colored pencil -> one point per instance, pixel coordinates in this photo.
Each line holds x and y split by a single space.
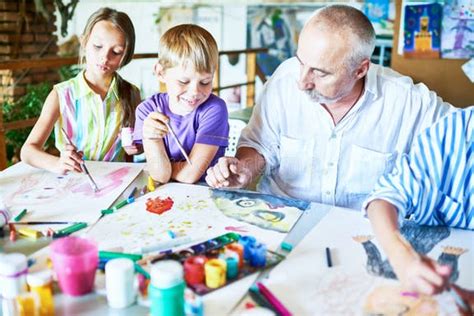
83 164
272 299
20 216
328 257
132 194
178 143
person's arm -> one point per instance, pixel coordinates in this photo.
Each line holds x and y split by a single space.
158 162
236 172
201 156
32 151
416 272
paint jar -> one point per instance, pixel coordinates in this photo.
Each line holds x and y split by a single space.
247 241
13 270
193 305
237 249
75 262
25 303
166 290
127 136
215 270
119 282
194 270
232 264
40 284
258 255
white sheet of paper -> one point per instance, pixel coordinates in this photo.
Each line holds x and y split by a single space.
194 214
52 197
306 286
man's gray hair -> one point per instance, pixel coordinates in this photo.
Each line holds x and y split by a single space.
348 20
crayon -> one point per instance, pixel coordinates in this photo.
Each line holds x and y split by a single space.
71 229
31 233
20 216
328 257
151 184
113 255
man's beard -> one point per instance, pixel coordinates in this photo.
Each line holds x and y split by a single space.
317 97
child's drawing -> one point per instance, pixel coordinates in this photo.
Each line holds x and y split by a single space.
193 213
423 239
266 211
457 36
361 280
52 197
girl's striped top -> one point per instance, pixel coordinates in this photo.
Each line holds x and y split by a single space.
93 124
434 183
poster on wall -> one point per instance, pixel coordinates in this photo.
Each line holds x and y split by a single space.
422 28
457 36
382 14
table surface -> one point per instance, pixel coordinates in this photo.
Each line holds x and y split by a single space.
96 302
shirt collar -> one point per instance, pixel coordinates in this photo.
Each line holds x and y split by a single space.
84 89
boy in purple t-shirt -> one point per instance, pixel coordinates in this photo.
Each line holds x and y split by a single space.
187 61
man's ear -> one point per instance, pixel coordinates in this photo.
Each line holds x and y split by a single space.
363 68
159 71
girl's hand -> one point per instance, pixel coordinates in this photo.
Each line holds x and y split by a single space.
134 149
154 126
70 160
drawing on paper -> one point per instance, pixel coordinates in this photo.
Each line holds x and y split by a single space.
423 239
265 211
159 205
52 197
457 35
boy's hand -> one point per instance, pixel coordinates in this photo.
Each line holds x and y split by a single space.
228 172
420 273
154 126
69 160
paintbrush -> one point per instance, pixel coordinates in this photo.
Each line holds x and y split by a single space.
178 143
83 165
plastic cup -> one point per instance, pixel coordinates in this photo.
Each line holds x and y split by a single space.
75 262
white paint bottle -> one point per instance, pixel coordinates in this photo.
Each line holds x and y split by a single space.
119 283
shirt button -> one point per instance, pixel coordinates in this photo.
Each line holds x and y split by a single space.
331 164
328 192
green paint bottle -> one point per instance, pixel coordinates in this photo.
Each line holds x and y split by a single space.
166 289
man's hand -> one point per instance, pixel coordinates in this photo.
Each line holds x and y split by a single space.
229 172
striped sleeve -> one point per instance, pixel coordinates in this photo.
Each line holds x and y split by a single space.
433 184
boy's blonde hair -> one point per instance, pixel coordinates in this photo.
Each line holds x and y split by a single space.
188 43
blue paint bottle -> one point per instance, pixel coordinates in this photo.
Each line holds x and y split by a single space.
166 289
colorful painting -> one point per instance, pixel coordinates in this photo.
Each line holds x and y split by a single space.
192 214
52 197
422 31
457 36
381 14
263 210
361 280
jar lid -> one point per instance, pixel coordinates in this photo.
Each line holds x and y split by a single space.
166 273
12 263
39 278
119 266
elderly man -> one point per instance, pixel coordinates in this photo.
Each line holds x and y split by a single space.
329 123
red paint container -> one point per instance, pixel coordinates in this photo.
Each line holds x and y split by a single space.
194 269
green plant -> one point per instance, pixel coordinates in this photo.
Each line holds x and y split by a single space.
27 107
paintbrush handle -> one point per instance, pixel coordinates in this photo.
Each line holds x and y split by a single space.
178 143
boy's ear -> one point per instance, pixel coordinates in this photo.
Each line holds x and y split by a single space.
159 71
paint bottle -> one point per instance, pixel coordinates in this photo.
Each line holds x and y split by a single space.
127 136
40 284
215 270
258 255
13 270
119 282
232 264
247 241
194 270
237 249
166 289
